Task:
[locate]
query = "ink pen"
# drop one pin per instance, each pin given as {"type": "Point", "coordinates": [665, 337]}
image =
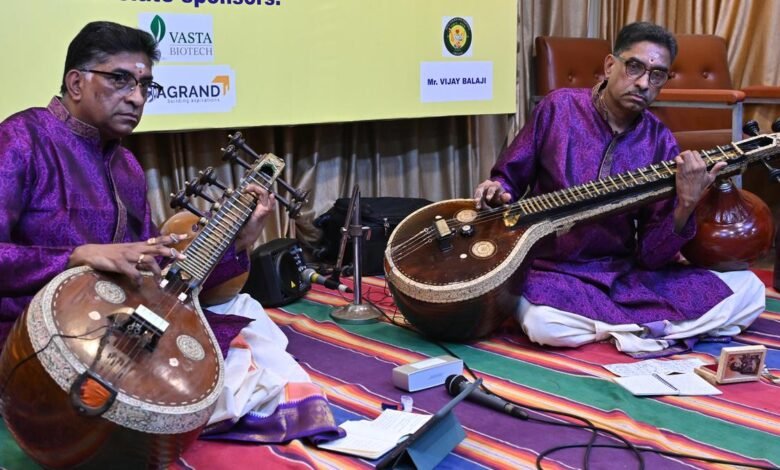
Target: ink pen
{"type": "Point", "coordinates": [665, 382]}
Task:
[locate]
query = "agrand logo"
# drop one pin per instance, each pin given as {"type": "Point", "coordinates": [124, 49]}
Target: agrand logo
{"type": "Point", "coordinates": [194, 89]}
{"type": "Point", "coordinates": [457, 36]}
{"type": "Point", "coordinates": [200, 93]}
{"type": "Point", "coordinates": [224, 81]}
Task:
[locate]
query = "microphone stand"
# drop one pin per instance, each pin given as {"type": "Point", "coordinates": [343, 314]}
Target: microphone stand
{"type": "Point", "coordinates": [357, 312]}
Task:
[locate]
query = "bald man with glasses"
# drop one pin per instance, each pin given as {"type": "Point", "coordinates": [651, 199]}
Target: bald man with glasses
{"type": "Point", "coordinates": [618, 278]}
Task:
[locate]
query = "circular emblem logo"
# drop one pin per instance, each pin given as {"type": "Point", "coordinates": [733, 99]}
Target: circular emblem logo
{"type": "Point", "coordinates": [190, 347]}
{"type": "Point", "coordinates": [483, 249]}
{"type": "Point", "coordinates": [110, 292]}
{"type": "Point", "coordinates": [466, 215]}
{"type": "Point", "coordinates": [457, 36]}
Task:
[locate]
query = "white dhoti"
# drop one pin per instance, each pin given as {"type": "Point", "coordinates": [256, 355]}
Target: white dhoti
{"type": "Point", "coordinates": [257, 366]}
{"type": "Point", "coordinates": [552, 327]}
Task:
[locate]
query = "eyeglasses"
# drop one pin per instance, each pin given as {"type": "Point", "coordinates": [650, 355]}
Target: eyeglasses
{"type": "Point", "coordinates": [635, 69]}
{"type": "Point", "coordinates": [125, 83]}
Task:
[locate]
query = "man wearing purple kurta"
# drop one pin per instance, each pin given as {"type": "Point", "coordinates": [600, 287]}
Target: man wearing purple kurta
{"type": "Point", "coordinates": [61, 188]}
{"type": "Point", "coordinates": [617, 278]}
{"type": "Point", "coordinates": [71, 195]}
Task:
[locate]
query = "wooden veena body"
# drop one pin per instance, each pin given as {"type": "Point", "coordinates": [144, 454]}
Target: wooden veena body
{"type": "Point", "coordinates": [99, 373]}
{"type": "Point", "coordinates": [456, 274]}
{"type": "Point", "coordinates": [186, 222]}
{"type": "Point", "coordinates": [164, 398]}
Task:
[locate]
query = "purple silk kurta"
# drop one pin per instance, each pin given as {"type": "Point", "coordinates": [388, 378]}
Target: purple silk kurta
{"type": "Point", "coordinates": [607, 269]}
{"type": "Point", "coordinates": [59, 188]}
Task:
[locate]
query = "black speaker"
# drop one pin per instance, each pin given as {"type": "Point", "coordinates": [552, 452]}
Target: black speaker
{"type": "Point", "coordinates": [275, 277]}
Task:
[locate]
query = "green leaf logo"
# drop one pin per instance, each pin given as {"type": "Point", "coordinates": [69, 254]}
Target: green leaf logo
{"type": "Point", "coordinates": [158, 28]}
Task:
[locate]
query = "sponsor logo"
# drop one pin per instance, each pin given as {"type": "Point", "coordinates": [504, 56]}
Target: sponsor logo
{"type": "Point", "coordinates": [457, 36]}
{"type": "Point", "coordinates": [158, 28]}
{"type": "Point", "coordinates": [180, 37]}
{"type": "Point", "coordinates": [193, 89]}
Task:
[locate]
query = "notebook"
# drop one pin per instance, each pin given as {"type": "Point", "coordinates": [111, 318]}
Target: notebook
{"type": "Point", "coordinates": [673, 384]}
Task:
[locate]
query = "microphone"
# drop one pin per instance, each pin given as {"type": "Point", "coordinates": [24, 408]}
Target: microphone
{"type": "Point", "coordinates": [313, 276]}
{"type": "Point", "coordinates": [456, 383]}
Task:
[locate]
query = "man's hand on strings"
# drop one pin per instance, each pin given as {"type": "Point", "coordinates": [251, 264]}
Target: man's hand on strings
{"type": "Point", "coordinates": [490, 194]}
{"type": "Point", "coordinates": [691, 180]}
{"type": "Point", "coordinates": [251, 231]}
{"type": "Point", "coordinates": [129, 259]}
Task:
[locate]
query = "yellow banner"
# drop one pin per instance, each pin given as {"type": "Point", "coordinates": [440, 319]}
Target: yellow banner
{"type": "Point", "coordinates": [240, 63]}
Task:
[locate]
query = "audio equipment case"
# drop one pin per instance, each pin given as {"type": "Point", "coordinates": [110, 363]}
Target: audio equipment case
{"type": "Point", "coordinates": [275, 275]}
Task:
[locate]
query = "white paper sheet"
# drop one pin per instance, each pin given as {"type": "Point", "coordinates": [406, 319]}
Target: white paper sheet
{"type": "Point", "coordinates": [372, 439]}
{"type": "Point", "coordinates": [654, 366]}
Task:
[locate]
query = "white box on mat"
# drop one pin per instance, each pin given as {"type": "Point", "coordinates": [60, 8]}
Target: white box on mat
{"type": "Point", "coordinates": [426, 373]}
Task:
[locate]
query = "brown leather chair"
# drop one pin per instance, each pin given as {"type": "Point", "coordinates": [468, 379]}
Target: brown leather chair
{"type": "Point", "coordinates": [701, 85]}
{"type": "Point", "coordinates": [698, 102]}
{"type": "Point", "coordinates": [568, 63]}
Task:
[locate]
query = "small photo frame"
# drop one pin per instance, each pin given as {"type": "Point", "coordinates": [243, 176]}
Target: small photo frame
{"type": "Point", "coordinates": [736, 364]}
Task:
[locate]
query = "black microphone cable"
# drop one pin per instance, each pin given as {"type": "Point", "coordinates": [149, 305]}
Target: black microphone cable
{"type": "Point", "coordinates": [587, 426]}
{"type": "Point", "coordinates": [83, 336]}
{"type": "Point", "coordinates": [636, 450]}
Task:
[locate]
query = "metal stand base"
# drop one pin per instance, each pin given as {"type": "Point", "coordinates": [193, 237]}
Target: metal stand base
{"type": "Point", "coordinates": [356, 314]}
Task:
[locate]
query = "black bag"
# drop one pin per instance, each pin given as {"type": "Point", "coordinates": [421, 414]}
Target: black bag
{"type": "Point", "coordinates": [381, 214]}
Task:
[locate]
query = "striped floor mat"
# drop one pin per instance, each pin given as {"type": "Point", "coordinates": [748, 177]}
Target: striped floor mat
{"type": "Point", "coordinates": [353, 363]}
